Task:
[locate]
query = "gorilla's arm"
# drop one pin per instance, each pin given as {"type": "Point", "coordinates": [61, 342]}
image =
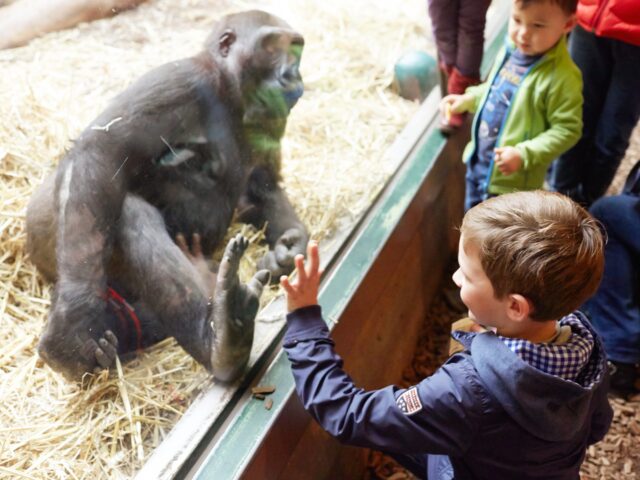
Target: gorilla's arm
{"type": "Point", "coordinates": [266, 202]}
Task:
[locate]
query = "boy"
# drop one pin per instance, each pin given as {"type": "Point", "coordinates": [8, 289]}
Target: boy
{"type": "Point", "coordinates": [530, 109]}
{"type": "Point", "coordinates": [524, 399]}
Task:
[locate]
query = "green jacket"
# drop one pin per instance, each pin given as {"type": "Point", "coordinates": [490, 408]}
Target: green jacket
{"type": "Point", "coordinates": [543, 121]}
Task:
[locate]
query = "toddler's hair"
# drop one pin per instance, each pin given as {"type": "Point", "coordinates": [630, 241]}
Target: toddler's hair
{"type": "Point", "coordinates": [568, 6]}
{"type": "Point", "coordinates": [539, 244]}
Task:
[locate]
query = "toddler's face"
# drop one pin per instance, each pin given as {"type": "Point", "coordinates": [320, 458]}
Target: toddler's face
{"type": "Point", "coordinates": [536, 28]}
{"type": "Point", "coordinates": [476, 290]}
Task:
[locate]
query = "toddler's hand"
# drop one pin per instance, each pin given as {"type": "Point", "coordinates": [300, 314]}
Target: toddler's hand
{"type": "Point", "coordinates": [508, 160]}
{"type": "Point", "coordinates": [303, 292]}
{"type": "Point", "coordinates": [455, 104]}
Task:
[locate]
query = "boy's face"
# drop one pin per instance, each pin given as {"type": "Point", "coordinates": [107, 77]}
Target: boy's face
{"type": "Point", "coordinates": [536, 28]}
{"type": "Point", "coordinates": [476, 290]}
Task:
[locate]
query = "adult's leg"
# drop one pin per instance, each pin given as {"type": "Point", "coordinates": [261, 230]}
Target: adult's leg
{"type": "Point", "coordinates": [471, 21]}
{"type": "Point", "coordinates": [619, 117]}
{"type": "Point", "coordinates": [615, 309]}
{"type": "Point", "coordinates": [444, 22]}
{"type": "Point", "coordinates": [595, 60]}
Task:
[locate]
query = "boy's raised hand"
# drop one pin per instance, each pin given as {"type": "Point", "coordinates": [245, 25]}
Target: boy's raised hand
{"type": "Point", "coordinates": [303, 292]}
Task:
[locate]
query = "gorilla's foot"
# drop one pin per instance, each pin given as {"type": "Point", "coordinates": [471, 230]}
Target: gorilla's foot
{"type": "Point", "coordinates": [234, 311]}
{"type": "Point", "coordinates": [228, 283]}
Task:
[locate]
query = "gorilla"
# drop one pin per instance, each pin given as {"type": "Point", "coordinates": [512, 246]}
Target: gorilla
{"type": "Point", "coordinates": [173, 156]}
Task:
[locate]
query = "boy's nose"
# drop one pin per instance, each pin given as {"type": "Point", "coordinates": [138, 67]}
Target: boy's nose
{"type": "Point", "coordinates": [525, 33]}
{"type": "Point", "coordinates": [456, 278]}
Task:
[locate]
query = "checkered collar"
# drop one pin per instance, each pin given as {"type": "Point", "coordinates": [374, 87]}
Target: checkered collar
{"type": "Point", "coordinates": [567, 360]}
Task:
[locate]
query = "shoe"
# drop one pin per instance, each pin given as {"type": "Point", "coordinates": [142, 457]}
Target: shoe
{"type": "Point", "coordinates": [622, 379]}
{"type": "Point", "coordinates": [458, 83]}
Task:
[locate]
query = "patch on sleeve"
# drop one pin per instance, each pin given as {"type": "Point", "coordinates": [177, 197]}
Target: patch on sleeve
{"type": "Point", "coordinates": [409, 402]}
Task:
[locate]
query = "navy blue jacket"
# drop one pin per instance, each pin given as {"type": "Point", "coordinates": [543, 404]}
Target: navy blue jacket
{"type": "Point", "coordinates": [488, 413]}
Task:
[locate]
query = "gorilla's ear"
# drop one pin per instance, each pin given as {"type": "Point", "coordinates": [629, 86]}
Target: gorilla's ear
{"type": "Point", "coordinates": [225, 41]}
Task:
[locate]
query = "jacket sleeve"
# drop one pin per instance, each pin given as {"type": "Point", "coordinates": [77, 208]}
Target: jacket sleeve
{"type": "Point", "coordinates": [563, 107]}
{"type": "Point", "coordinates": [477, 92]}
{"type": "Point", "coordinates": [439, 415]}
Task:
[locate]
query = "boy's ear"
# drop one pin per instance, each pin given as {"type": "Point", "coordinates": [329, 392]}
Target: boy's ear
{"type": "Point", "coordinates": [518, 307]}
{"type": "Point", "coordinates": [571, 22]}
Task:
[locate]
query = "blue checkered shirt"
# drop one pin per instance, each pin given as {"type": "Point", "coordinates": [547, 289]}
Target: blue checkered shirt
{"type": "Point", "coordinates": [569, 360]}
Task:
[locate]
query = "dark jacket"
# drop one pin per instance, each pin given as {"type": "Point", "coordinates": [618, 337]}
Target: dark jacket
{"type": "Point", "coordinates": [490, 413]}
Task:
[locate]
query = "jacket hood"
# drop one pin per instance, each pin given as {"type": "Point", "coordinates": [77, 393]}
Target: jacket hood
{"type": "Point", "coordinates": [547, 406]}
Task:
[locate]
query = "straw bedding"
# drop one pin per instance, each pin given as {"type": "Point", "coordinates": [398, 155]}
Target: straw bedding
{"type": "Point", "coordinates": [50, 90]}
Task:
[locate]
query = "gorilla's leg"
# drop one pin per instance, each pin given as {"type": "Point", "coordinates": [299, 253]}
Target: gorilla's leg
{"type": "Point", "coordinates": [167, 292]}
{"type": "Point", "coordinates": [147, 269]}
{"type": "Point", "coordinates": [152, 271]}
{"type": "Point", "coordinates": [156, 271]}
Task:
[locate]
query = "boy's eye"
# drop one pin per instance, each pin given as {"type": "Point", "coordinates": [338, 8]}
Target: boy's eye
{"type": "Point", "coordinates": [538, 25]}
{"type": "Point", "coordinates": [516, 20]}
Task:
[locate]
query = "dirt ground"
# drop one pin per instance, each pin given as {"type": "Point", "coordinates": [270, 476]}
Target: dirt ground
{"type": "Point", "coordinates": [616, 457]}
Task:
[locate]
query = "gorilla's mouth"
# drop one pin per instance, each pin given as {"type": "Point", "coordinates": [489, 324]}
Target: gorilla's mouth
{"type": "Point", "coordinates": [292, 95]}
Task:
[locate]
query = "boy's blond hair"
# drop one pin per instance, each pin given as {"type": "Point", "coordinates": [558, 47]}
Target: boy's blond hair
{"type": "Point", "coordinates": [541, 245]}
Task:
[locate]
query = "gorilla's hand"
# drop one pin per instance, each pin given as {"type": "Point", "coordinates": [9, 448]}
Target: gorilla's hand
{"type": "Point", "coordinates": [279, 261]}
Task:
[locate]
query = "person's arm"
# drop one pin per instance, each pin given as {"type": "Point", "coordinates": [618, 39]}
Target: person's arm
{"type": "Point", "coordinates": [476, 93]}
{"type": "Point", "coordinates": [564, 116]}
{"type": "Point", "coordinates": [456, 104]}
{"type": "Point", "coordinates": [439, 415]}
